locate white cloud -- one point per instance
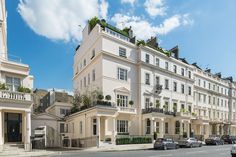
(144, 30)
(128, 1)
(59, 19)
(155, 7)
(103, 9)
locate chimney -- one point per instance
(175, 51)
(208, 70)
(152, 42)
(130, 32)
(218, 74)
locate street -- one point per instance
(206, 151)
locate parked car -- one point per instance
(233, 151)
(162, 143)
(214, 141)
(229, 139)
(190, 142)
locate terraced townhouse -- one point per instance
(153, 91)
(15, 96)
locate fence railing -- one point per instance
(4, 94)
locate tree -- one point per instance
(77, 100)
(86, 100)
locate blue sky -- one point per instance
(45, 33)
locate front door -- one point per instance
(13, 123)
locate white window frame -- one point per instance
(122, 74)
(122, 126)
(122, 100)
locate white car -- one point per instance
(233, 150)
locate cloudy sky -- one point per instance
(44, 33)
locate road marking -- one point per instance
(164, 155)
(194, 152)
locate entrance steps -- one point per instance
(13, 148)
(106, 144)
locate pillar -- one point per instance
(200, 131)
(181, 127)
(188, 130)
(114, 133)
(98, 131)
(1, 131)
(162, 128)
(28, 131)
(151, 127)
(154, 126)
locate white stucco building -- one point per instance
(163, 87)
(15, 106)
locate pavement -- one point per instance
(22, 153)
(136, 150)
(205, 151)
(113, 148)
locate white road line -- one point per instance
(164, 155)
(195, 152)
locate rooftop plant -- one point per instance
(92, 22)
(3, 86)
(24, 89)
(108, 97)
(140, 42)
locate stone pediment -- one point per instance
(122, 90)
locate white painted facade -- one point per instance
(108, 61)
(15, 107)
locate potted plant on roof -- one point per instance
(108, 98)
(131, 103)
(100, 97)
(141, 42)
(3, 86)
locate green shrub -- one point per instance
(133, 140)
(24, 89)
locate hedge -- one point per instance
(133, 140)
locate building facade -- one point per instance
(15, 96)
(153, 91)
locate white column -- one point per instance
(154, 126)
(28, 131)
(162, 130)
(181, 127)
(114, 130)
(98, 131)
(1, 131)
(188, 132)
(151, 127)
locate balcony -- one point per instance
(184, 114)
(157, 110)
(16, 96)
(131, 110)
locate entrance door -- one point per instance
(13, 123)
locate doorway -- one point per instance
(13, 126)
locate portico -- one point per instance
(15, 119)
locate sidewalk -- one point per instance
(23, 153)
(130, 147)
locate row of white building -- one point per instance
(171, 97)
(152, 91)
